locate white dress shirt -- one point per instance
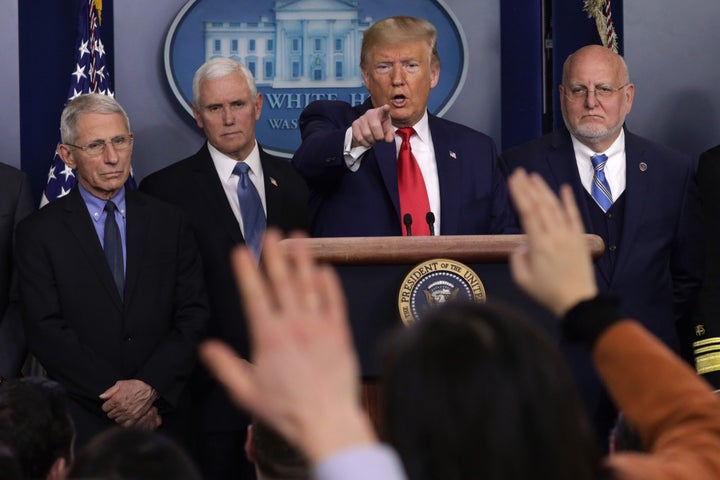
(422, 148)
(614, 168)
(224, 166)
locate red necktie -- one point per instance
(411, 186)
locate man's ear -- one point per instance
(66, 155)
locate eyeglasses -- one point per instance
(121, 142)
(580, 92)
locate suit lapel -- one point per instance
(78, 221)
(636, 198)
(273, 189)
(386, 159)
(136, 235)
(209, 186)
(449, 169)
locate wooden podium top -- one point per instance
(399, 250)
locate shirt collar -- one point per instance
(422, 128)
(583, 151)
(225, 165)
(96, 205)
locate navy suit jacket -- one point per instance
(473, 190)
(85, 335)
(16, 202)
(193, 185)
(659, 260)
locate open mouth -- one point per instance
(399, 100)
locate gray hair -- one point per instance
(219, 68)
(88, 103)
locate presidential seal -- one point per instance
(435, 282)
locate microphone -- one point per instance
(407, 220)
(430, 219)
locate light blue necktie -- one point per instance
(112, 244)
(253, 216)
(600, 187)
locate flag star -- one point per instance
(75, 94)
(83, 48)
(101, 72)
(99, 48)
(68, 172)
(51, 174)
(63, 192)
(79, 72)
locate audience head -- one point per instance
(35, 424)
(226, 106)
(97, 142)
(595, 96)
(400, 66)
(273, 456)
(473, 391)
(131, 454)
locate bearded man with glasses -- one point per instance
(112, 285)
(640, 197)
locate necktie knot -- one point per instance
(598, 161)
(110, 207)
(405, 133)
(241, 170)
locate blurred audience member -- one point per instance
(35, 424)
(273, 456)
(133, 454)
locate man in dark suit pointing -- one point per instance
(361, 180)
(208, 188)
(111, 284)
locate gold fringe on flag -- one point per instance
(98, 7)
(600, 11)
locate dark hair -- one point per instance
(131, 454)
(473, 391)
(275, 457)
(35, 424)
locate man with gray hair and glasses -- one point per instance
(640, 197)
(111, 283)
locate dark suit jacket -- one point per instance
(193, 185)
(707, 333)
(82, 332)
(660, 257)
(16, 202)
(473, 192)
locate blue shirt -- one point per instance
(96, 208)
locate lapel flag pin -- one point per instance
(643, 166)
(273, 181)
(453, 155)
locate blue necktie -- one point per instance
(600, 187)
(113, 247)
(253, 216)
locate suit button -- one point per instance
(609, 215)
(612, 248)
(128, 338)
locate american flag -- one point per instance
(90, 76)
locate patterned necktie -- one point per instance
(411, 187)
(253, 216)
(600, 187)
(113, 247)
